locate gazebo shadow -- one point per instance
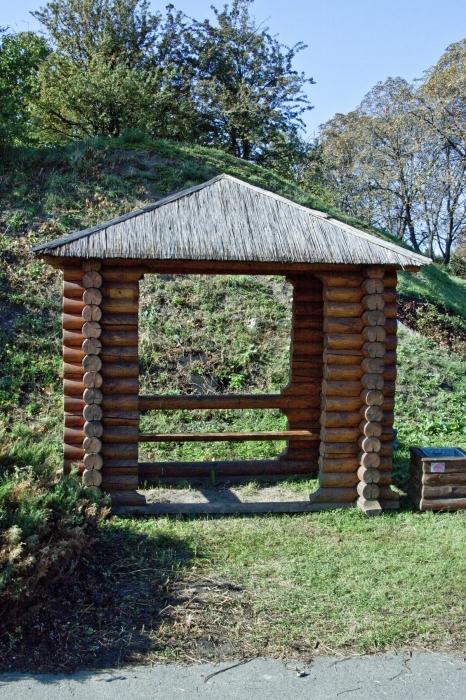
(108, 611)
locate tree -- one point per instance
(375, 155)
(244, 84)
(225, 83)
(443, 199)
(20, 57)
(388, 164)
(442, 110)
(108, 71)
(442, 98)
(338, 165)
(122, 31)
(103, 99)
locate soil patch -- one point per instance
(250, 493)
(435, 322)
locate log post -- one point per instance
(378, 379)
(81, 363)
(92, 379)
(388, 498)
(341, 388)
(358, 388)
(101, 376)
(73, 372)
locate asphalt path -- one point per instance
(419, 676)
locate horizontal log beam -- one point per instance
(272, 435)
(443, 504)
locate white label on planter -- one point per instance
(437, 467)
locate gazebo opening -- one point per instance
(214, 334)
(216, 359)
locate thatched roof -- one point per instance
(226, 219)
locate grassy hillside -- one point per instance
(232, 327)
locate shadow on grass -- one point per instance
(107, 612)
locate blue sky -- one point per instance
(352, 43)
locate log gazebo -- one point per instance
(340, 398)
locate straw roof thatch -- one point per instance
(226, 219)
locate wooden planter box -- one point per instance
(438, 478)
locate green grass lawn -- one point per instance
(334, 581)
(218, 588)
(434, 284)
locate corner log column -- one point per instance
(379, 366)
(120, 372)
(92, 378)
(81, 370)
(73, 372)
(358, 389)
(372, 394)
(388, 498)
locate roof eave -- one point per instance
(220, 266)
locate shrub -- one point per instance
(457, 266)
(45, 525)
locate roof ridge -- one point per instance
(275, 195)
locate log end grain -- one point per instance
(369, 507)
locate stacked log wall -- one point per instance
(343, 360)
(73, 354)
(92, 377)
(388, 498)
(81, 370)
(374, 334)
(358, 389)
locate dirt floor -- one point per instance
(226, 494)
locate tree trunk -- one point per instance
(411, 229)
(246, 147)
(448, 243)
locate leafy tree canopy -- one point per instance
(20, 57)
(117, 65)
(244, 82)
(399, 161)
(110, 70)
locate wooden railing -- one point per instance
(226, 401)
(306, 435)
